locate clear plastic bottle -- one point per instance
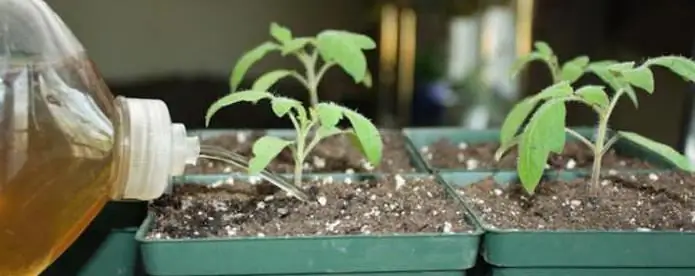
(66, 145)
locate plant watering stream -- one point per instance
(220, 154)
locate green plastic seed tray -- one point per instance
(405, 254)
(578, 253)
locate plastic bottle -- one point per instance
(66, 145)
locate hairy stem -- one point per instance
(298, 170)
(296, 124)
(601, 142)
(312, 79)
(598, 153)
(311, 131)
(299, 157)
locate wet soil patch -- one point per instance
(624, 202)
(389, 205)
(335, 154)
(445, 154)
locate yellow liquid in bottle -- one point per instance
(56, 160)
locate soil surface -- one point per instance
(624, 202)
(391, 205)
(444, 154)
(334, 154)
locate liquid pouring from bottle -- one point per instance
(222, 155)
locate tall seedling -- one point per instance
(545, 131)
(320, 120)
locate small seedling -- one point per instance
(545, 131)
(320, 120)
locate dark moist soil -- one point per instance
(335, 154)
(362, 207)
(444, 154)
(644, 203)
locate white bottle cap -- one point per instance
(156, 149)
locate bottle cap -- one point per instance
(155, 148)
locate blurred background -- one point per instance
(439, 62)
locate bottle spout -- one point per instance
(186, 149)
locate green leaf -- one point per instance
(544, 49)
(269, 79)
(345, 49)
(621, 66)
(601, 69)
(283, 105)
(522, 61)
(515, 118)
(295, 45)
(632, 95)
(247, 60)
(499, 153)
(329, 114)
(369, 145)
(326, 131)
(682, 66)
(641, 77)
(605, 75)
(594, 95)
(361, 41)
(366, 134)
(241, 96)
(367, 81)
(265, 150)
(580, 61)
(572, 70)
(665, 151)
(281, 33)
(555, 140)
(544, 133)
(560, 89)
(601, 63)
